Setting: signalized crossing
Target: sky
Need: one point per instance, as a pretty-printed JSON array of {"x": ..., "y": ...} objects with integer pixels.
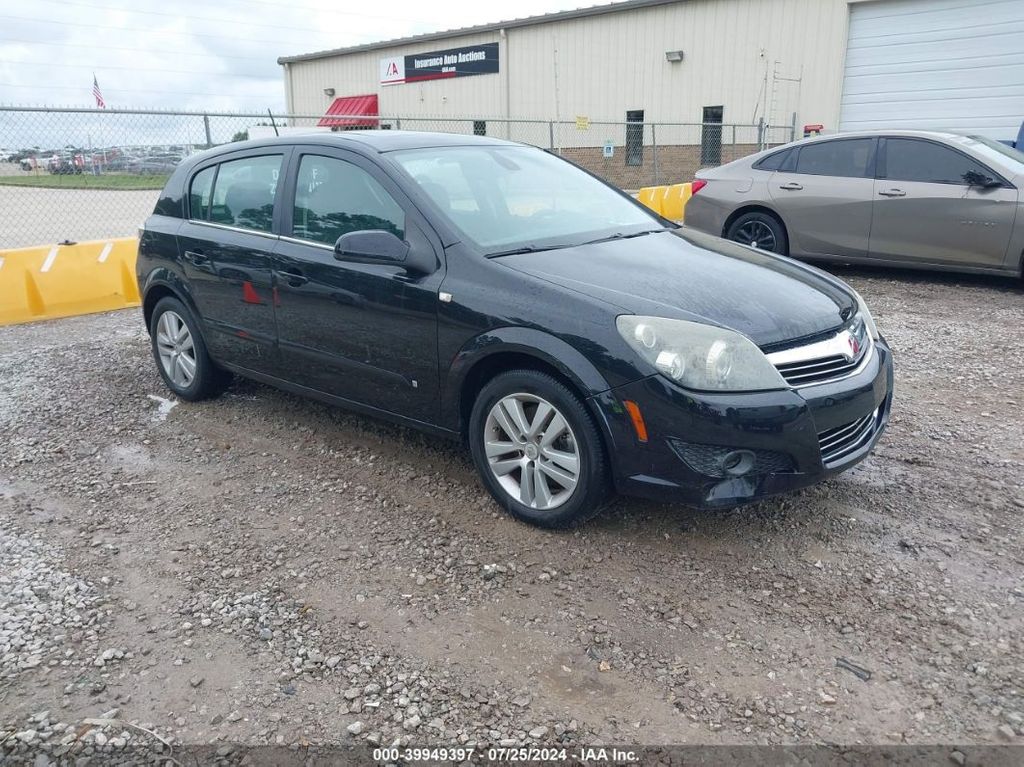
[{"x": 195, "y": 54}]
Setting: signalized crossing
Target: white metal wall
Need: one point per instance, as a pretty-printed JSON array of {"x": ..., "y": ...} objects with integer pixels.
[
  {"x": 614, "y": 62},
  {"x": 933, "y": 64}
]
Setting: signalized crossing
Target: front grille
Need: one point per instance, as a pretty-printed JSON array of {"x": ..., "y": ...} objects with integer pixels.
[
  {"x": 817, "y": 370},
  {"x": 837, "y": 443}
]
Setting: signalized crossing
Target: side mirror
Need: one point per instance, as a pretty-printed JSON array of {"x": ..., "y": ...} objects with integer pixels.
[{"x": 371, "y": 246}]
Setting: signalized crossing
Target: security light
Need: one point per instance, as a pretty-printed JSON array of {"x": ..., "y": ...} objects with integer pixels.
[{"x": 674, "y": 56}]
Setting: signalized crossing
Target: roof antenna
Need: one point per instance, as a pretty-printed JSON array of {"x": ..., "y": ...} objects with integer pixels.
[{"x": 272, "y": 123}]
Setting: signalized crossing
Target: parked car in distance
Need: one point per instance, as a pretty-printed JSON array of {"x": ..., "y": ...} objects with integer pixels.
[
  {"x": 493, "y": 292},
  {"x": 895, "y": 198},
  {"x": 153, "y": 165}
]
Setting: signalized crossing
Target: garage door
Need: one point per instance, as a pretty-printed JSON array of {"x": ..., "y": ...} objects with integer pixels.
[{"x": 934, "y": 64}]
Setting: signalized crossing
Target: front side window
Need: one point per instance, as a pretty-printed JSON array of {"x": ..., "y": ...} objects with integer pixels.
[
  {"x": 850, "y": 158},
  {"x": 243, "y": 194},
  {"x": 334, "y": 197},
  {"x": 501, "y": 198},
  {"x": 912, "y": 160},
  {"x": 200, "y": 192}
]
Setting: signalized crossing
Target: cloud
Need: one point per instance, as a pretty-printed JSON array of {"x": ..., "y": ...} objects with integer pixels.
[{"x": 194, "y": 55}]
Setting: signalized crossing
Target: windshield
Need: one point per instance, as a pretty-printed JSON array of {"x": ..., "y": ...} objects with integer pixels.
[
  {"x": 995, "y": 150},
  {"x": 510, "y": 198}
]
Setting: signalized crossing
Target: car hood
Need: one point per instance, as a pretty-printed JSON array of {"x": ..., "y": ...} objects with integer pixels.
[{"x": 684, "y": 274}]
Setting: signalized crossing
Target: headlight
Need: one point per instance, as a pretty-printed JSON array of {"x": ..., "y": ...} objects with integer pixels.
[
  {"x": 865, "y": 314},
  {"x": 700, "y": 356}
]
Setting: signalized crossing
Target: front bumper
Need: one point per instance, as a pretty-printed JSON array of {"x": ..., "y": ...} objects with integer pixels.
[{"x": 784, "y": 430}]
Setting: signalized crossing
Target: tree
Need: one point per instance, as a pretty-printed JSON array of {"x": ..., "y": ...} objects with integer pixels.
[{"x": 242, "y": 135}]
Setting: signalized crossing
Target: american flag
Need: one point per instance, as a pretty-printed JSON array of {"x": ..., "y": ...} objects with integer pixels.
[{"x": 96, "y": 93}]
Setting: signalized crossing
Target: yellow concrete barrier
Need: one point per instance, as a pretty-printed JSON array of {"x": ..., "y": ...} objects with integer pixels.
[
  {"x": 64, "y": 280},
  {"x": 674, "y": 204},
  {"x": 667, "y": 201},
  {"x": 652, "y": 196}
]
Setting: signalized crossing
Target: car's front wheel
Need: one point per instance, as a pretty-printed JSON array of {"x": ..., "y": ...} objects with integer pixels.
[
  {"x": 538, "y": 450},
  {"x": 759, "y": 230},
  {"x": 180, "y": 352}
]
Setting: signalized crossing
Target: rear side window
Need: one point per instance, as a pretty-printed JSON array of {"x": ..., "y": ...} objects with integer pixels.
[
  {"x": 200, "y": 193},
  {"x": 334, "y": 197},
  {"x": 850, "y": 158},
  {"x": 243, "y": 194},
  {"x": 912, "y": 160},
  {"x": 772, "y": 161}
]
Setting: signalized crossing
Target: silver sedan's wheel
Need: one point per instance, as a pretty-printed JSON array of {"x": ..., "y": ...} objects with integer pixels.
[
  {"x": 756, "y": 234},
  {"x": 177, "y": 349},
  {"x": 532, "y": 451}
]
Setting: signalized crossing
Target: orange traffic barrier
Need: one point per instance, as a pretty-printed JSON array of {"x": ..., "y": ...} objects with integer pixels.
[{"x": 52, "y": 281}]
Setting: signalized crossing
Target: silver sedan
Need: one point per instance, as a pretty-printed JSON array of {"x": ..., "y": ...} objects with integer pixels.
[{"x": 900, "y": 198}]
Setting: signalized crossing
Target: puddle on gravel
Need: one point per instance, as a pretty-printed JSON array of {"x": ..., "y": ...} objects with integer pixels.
[{"x": 164, "y": 407}]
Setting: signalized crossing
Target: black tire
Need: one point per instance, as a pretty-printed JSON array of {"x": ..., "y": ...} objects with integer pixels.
[
  {"x": 763, "y": 228},
  {"x": 209, "y": 380},
  {"x": 593, "y": 486}
]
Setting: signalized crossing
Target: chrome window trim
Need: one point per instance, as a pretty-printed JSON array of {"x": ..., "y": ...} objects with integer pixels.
[
  {"x": 830, "y": 347},
  {"x": 239, "y": 229},
  {"x": 311, "y": 243}
]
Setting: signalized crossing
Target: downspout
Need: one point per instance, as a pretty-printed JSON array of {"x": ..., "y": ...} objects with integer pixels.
[
  {"x": 508, "y": 89},
  {"x": 288, "y": 88}
]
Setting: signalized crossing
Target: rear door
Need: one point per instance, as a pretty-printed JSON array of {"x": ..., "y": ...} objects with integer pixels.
[
  {"x": 227, "y": 245},
  {"x": 927, "y": 210},
  {"x": 824, "y": 193},
  {"x": 364, "y": 332}
]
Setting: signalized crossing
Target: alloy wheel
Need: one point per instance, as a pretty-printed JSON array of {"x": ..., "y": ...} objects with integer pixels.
[
  {"x": 532, "y": 451},
  {"x": 176, "y": 348},
  {"x": 757, "y": 234}
]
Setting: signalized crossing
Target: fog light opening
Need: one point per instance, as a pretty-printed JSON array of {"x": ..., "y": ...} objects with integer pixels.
[{"x": 736, "y": 463}]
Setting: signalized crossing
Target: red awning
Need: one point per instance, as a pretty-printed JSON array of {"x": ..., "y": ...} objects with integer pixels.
[{"x": 337, "y": 115}]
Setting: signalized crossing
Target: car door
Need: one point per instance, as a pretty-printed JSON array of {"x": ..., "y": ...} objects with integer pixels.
[
  {"x": 824, "y": 193},
  {"x": 931, "y": 207},
  {"x": 365, "y": 332},
  {"x": 227, "y": 244}
]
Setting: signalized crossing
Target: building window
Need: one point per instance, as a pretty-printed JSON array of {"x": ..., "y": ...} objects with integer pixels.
[
  {"x": 479, "y": 127},
  {"x": 635, "y": 137},
  {"x": 711, "y": 136}
]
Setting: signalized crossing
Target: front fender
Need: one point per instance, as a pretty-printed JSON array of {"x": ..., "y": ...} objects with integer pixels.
[{"x": 542, "y": 346}]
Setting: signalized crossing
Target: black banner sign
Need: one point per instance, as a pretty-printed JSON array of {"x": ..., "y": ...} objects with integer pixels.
[{"x": 435, "y": 65}]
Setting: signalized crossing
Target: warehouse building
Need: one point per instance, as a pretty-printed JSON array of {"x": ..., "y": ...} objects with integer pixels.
[{"x": 763, "y": 69}]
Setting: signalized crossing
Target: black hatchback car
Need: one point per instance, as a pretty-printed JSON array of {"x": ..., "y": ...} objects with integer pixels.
[{"x": 493, "y": 292}]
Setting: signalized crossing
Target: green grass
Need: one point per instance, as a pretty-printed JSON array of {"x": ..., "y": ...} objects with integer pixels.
[{"x": 86, "y": 181}]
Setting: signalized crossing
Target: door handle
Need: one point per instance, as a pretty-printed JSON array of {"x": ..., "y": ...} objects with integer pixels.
[
  {"x": 293, "y": 276},
  {"x": 197, "y": 257},
  {"x": 792, "y": 186},
  {"x": 892, "y": 193}
]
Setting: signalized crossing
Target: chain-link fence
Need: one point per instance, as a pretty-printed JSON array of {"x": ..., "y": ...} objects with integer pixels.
[{"x": 81, "y": 174}]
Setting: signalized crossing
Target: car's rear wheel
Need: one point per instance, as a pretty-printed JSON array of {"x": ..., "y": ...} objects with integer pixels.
[
  {"x": 180, "y": 353},
  {"x": 759, "y": 230},
  {"x": 537, "y": 450}
]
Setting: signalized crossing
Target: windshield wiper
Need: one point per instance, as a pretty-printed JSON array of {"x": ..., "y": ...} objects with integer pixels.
[
  {"x": 525, "y": 249},
  {"x": 623, "y": 236}
]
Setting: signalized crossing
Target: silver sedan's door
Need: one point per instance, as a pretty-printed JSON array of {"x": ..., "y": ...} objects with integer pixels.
[
  {"x": 824, "y": 194},
  {"x": 933, "y": 207}
]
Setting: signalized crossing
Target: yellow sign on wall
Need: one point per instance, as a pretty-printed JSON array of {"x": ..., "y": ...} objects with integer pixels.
[{"x": 582, "y": 122}]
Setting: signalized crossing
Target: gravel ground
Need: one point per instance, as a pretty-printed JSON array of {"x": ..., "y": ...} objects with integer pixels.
[{"x": 262, "y": 569}]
